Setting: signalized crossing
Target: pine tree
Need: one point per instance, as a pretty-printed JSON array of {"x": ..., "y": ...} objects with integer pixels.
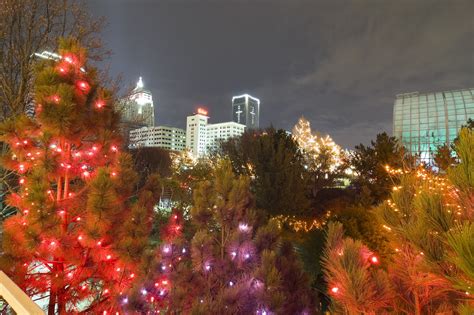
[
  {"x": 355, "y": 283},
  {"x": 237, "y": 265},
  {"x": 428, "y": 222},
  {"x": 151, "y": 292},
  {"x": 273, "y": 161},
  {"x": 370, "y": 162},
  {"x": 77, "y": 239},
  {"x": 435, "y": 214}
]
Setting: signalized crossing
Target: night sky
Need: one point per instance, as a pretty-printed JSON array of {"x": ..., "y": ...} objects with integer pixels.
[{"x": 338, "y": 63}]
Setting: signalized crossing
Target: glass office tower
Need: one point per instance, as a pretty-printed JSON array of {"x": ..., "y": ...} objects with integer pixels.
[
  {"x": 246, "y": 111},
  {"x": 425, "y": 121}
]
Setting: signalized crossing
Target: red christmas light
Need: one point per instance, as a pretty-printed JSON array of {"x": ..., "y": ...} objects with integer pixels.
[
  {"x": 334, "y": 290},
  {"x": 62, "y": 69},
  {"x": 56, "y": 99},
  {"x": 374, "y": 260},
  {"x": 99, "y": 104},
  {"x": 70, "y": 58},
  {"x": 83, "y": 86}
]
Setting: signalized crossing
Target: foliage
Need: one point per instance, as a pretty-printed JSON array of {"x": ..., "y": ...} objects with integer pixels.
[
  {"x": 238, "y": 263},
  {"x": 444, "y": 158},
  {"x": 151, "y": 160},
  {"x": 276, "y": 167},
  {"x": 355, "y": 283},
  {"x": 359, "y": 223},
  {"x": 434, "y": 215},
  {"x": 151, "y": 292},
  {"x": 428, "y": 219},
  {"x": 187, "y": 173},
  {"x": 369, "y": 163},
  {"x": 324, "y": 159},
  {"x": 78, "y": 237},
  {"x": 28, "y": 27}
]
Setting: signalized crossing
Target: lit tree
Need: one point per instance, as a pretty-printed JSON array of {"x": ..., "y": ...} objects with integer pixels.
[
  {"x": 428, "y": 222},
  {"x": 151, "y": 293},
  {"x": 370, "y": 162},
  {"x": 324, "y": 159},
  {"x": 356, "y": 283},
  {"x": 77, "y": 238},
  {"x": 187, "y": 173},
  {"x": 237, "y": 265},
  {"x": 28, "y": 27}
]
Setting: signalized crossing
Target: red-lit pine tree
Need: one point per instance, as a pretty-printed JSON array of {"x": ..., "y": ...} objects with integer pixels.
[{"x": 78, "y": 237}]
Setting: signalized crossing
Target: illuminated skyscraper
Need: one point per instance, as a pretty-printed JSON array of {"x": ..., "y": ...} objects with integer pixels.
[
  {"x": 196, "y": 136},
  {"x": 246, "y": 111},
  {"x": 425, "y": 121},
  {"x": 137, "y": 110}
]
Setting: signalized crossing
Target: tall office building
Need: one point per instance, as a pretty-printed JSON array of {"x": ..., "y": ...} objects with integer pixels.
[
  {"x": 137, "y": 109},
  {"x": 246, "y": 111},
  {"x": 196, "y": 137},
  {"x": 425, "y": 121},
  {"x": 168, "y": 138},
  {"x": 203, "y": 138}
]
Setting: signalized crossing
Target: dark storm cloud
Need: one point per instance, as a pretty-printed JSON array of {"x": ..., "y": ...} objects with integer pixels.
[{"x": 339, "y": 63}]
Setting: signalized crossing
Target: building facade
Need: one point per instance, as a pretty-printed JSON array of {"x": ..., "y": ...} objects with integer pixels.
[
  {"x": 169, "y": 138},
  {"x": 425, "y": 121},
  {"x": 137, "y": 110},
  {"x": 246, "y": 111},
  {"x": 203, "y": 138},
  {"x": 216, "y": 133},
  {"x": 196, "y": 137}
]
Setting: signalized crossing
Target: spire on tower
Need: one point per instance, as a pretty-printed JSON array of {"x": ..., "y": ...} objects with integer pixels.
[{"x": 140, "y": 83}]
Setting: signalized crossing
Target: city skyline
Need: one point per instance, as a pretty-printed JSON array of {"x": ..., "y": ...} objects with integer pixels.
[{"x": 341, "y": 64}]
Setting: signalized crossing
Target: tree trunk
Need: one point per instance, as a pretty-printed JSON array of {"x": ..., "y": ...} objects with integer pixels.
[
  {"x": 417, "y": 305},
  {"x": 61, "y": 303},
  {"x": 52, "y": 302},
  {"x": 222, "y": 242}
]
